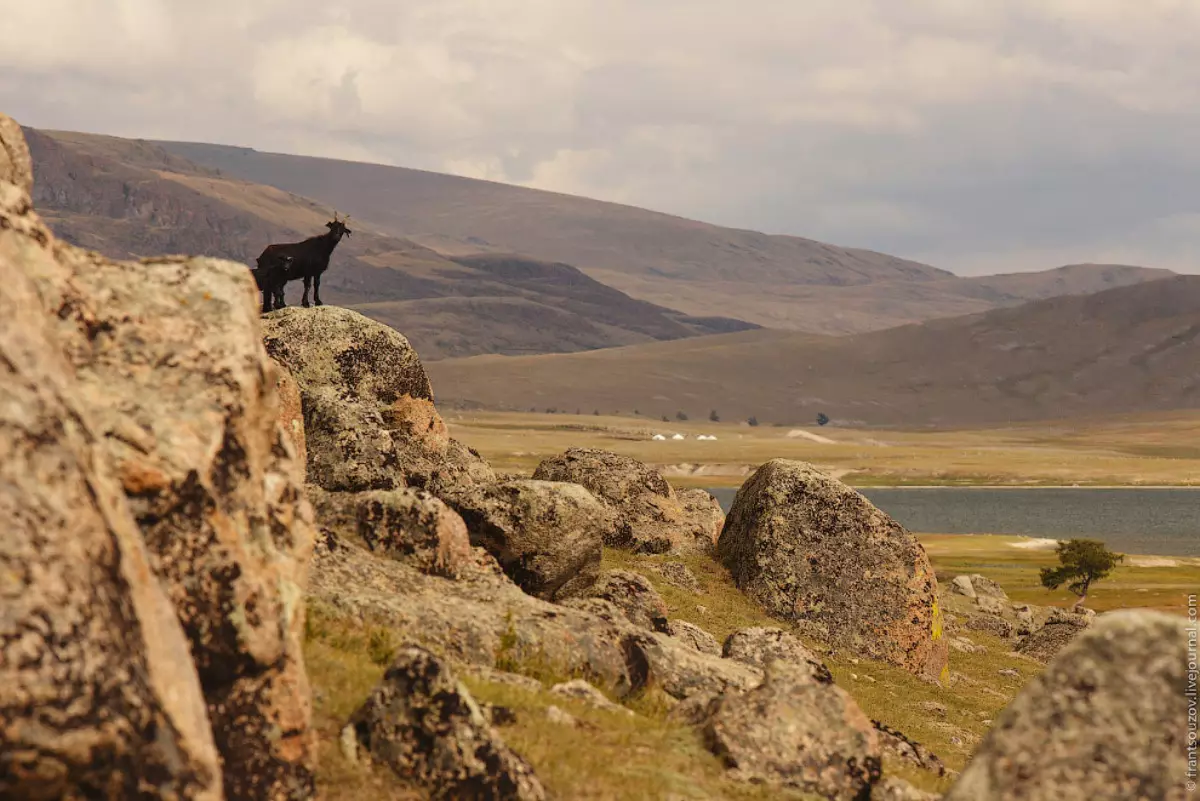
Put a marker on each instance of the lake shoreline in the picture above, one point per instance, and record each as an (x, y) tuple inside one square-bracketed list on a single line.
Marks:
[(1151, 521)]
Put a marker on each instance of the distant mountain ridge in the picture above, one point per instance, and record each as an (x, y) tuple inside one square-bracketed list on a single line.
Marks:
[(775, 281), (1124, 350), (128, 199)]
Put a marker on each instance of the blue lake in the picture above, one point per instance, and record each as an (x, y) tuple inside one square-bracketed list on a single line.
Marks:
[(1163, 521)]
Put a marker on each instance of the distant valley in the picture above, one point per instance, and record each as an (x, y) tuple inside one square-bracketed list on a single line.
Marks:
[(523, 299), (1129, 349)]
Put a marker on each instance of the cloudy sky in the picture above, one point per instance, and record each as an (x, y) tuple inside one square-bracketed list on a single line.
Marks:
[(977, 135)]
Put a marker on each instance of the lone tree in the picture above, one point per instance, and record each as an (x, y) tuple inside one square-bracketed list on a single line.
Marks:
[(822, 418), (713, 416), (680, 416), (753, 420), (1081, 562)]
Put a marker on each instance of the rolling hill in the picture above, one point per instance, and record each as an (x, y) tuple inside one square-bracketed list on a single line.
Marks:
[(1127, 349), (705, 270), (129, 198)]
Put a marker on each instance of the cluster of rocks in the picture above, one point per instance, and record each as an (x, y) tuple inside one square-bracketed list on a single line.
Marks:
[(1035, 632), (182, 478), (491, 572)]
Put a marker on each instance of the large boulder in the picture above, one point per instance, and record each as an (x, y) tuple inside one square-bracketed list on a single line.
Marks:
[(97, 687), (649, 516), (409, 525), (633, 595), (546, 535), (1102, 722), (425, 725), (1044, 643), (369, 418), (759, 646), (810, 549), (796, 731), (168, 362)]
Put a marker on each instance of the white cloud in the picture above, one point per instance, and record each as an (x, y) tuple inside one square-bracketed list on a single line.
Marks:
[(966, 132)]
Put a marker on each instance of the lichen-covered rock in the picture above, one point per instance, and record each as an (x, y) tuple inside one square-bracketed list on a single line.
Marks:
[(291, 417), (704, 519), (1102, 722), (485, 619), (893, 789), (759, 646), (810, 549), (1059, 629), (635, 596), (98, 692), (16, 166), (167, 359), (682, 672), (694, 636), (961, 585), (678, 575), (991, 605), (1025, 618), (598, 607), (408, 525), (992, 624), (987, 588), (901, 745), (796, 732), (581, 690), (425, 725), (369, 418), (547, 536), (649, 516)]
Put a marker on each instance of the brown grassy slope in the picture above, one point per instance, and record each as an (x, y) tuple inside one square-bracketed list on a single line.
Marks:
[(1129, 349), (127, 198), (776, 281)]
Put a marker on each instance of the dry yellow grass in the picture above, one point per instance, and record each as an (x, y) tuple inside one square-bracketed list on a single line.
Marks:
[(1146, 450), (615, 757)]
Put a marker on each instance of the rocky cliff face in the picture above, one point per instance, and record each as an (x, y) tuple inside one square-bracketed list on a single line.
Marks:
[(171, 385)]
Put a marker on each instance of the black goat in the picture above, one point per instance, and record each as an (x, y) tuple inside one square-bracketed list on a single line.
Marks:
[(279, 264)]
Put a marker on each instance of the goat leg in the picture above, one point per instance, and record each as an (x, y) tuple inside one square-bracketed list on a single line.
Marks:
[(317, 290), (307, 284)]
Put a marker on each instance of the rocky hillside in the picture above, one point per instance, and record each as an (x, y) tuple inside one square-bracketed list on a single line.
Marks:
[(132, 199), (783, 282), (246, 561), (1130, 349)]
